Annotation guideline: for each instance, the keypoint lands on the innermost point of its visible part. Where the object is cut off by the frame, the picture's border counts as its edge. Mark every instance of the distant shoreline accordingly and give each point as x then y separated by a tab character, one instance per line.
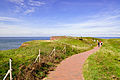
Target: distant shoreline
7	43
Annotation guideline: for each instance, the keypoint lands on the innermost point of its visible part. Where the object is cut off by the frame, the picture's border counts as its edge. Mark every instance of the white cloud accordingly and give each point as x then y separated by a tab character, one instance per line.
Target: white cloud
22	30
29	11
99	24
99	20
35	3
20	2
8	19
26	7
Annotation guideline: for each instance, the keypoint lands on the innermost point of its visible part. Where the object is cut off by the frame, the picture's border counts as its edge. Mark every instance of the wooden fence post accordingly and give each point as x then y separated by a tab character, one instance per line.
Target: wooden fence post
64	49
38	57
9	71
53	51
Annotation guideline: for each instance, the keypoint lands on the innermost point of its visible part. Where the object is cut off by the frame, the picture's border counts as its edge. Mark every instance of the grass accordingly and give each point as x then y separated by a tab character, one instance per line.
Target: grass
105	63
24	57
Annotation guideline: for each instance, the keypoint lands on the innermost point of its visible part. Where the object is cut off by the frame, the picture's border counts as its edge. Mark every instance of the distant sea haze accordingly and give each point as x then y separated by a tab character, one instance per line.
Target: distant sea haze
15	42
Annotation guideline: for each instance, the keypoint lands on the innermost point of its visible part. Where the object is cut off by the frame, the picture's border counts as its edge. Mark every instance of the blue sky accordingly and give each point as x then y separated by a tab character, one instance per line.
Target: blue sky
99	18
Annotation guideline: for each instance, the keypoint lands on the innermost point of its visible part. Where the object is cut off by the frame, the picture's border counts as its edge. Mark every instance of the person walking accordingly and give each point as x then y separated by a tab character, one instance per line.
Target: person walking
101	43
98	44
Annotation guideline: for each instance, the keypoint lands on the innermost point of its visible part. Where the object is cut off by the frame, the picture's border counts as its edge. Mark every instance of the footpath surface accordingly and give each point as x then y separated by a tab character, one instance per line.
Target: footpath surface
71	68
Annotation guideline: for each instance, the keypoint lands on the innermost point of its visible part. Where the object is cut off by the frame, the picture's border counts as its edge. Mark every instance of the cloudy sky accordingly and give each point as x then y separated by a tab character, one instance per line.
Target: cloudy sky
100	18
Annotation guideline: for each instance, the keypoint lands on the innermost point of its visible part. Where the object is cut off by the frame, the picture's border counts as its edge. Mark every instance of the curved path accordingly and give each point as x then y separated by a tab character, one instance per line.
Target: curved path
71	68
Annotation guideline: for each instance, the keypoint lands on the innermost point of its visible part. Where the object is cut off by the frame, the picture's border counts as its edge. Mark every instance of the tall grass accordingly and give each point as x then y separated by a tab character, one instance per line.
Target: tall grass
105	63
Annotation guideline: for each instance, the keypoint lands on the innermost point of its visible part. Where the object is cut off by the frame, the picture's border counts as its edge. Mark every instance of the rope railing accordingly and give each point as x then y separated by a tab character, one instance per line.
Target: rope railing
38	58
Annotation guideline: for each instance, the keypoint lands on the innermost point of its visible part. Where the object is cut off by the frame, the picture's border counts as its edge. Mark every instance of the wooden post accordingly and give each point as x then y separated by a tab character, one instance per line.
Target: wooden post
9	71
6	75
38	57
64	49
53	51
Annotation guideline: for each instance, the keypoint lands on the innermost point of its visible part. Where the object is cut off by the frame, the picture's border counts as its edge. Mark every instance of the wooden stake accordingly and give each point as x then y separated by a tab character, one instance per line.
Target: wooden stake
64	49
38	57
53	51
9	71
6	75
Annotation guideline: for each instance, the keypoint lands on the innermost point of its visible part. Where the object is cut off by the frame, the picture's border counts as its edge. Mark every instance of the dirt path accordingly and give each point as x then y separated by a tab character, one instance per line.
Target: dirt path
71	68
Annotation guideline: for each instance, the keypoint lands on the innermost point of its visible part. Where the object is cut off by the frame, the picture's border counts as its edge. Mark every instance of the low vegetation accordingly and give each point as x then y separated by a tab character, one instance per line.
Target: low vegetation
23	58
105	63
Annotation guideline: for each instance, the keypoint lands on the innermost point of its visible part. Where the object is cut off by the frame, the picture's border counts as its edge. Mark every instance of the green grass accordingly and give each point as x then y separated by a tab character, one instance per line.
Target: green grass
23	57
105	63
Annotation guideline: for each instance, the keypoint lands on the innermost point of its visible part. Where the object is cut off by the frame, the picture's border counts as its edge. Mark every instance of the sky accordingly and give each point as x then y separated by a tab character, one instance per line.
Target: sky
43	18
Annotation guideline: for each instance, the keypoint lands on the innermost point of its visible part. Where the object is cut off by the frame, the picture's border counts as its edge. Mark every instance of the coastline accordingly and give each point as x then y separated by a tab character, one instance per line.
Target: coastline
25	56
7	43
25	44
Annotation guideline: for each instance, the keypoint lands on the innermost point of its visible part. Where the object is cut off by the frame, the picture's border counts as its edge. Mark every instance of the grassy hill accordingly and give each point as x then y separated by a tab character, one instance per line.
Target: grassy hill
105	63
23	58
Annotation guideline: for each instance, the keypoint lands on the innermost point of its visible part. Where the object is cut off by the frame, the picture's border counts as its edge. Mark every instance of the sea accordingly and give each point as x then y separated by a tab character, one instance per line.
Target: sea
15	42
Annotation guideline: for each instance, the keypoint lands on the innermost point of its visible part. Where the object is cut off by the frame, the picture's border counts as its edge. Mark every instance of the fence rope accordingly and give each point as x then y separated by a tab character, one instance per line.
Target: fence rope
38	57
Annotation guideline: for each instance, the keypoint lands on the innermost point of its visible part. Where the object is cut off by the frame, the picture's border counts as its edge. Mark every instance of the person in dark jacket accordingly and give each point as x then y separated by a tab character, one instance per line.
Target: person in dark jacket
98	44
101	43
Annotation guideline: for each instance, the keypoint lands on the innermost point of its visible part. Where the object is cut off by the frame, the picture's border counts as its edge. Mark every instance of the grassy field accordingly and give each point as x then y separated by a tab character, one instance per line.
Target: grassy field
23	58
105	63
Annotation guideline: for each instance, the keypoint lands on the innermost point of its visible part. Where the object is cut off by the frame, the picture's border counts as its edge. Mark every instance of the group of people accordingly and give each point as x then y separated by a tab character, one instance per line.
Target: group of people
100	43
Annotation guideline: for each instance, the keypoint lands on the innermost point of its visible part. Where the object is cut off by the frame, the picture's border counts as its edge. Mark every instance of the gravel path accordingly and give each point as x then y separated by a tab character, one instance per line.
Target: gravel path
71	68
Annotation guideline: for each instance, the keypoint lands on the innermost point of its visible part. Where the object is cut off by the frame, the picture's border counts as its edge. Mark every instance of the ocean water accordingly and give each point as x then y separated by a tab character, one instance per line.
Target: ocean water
15	42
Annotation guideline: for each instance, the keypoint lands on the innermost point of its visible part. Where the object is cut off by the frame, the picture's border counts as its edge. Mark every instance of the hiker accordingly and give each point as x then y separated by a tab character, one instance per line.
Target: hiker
101	43
98	44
